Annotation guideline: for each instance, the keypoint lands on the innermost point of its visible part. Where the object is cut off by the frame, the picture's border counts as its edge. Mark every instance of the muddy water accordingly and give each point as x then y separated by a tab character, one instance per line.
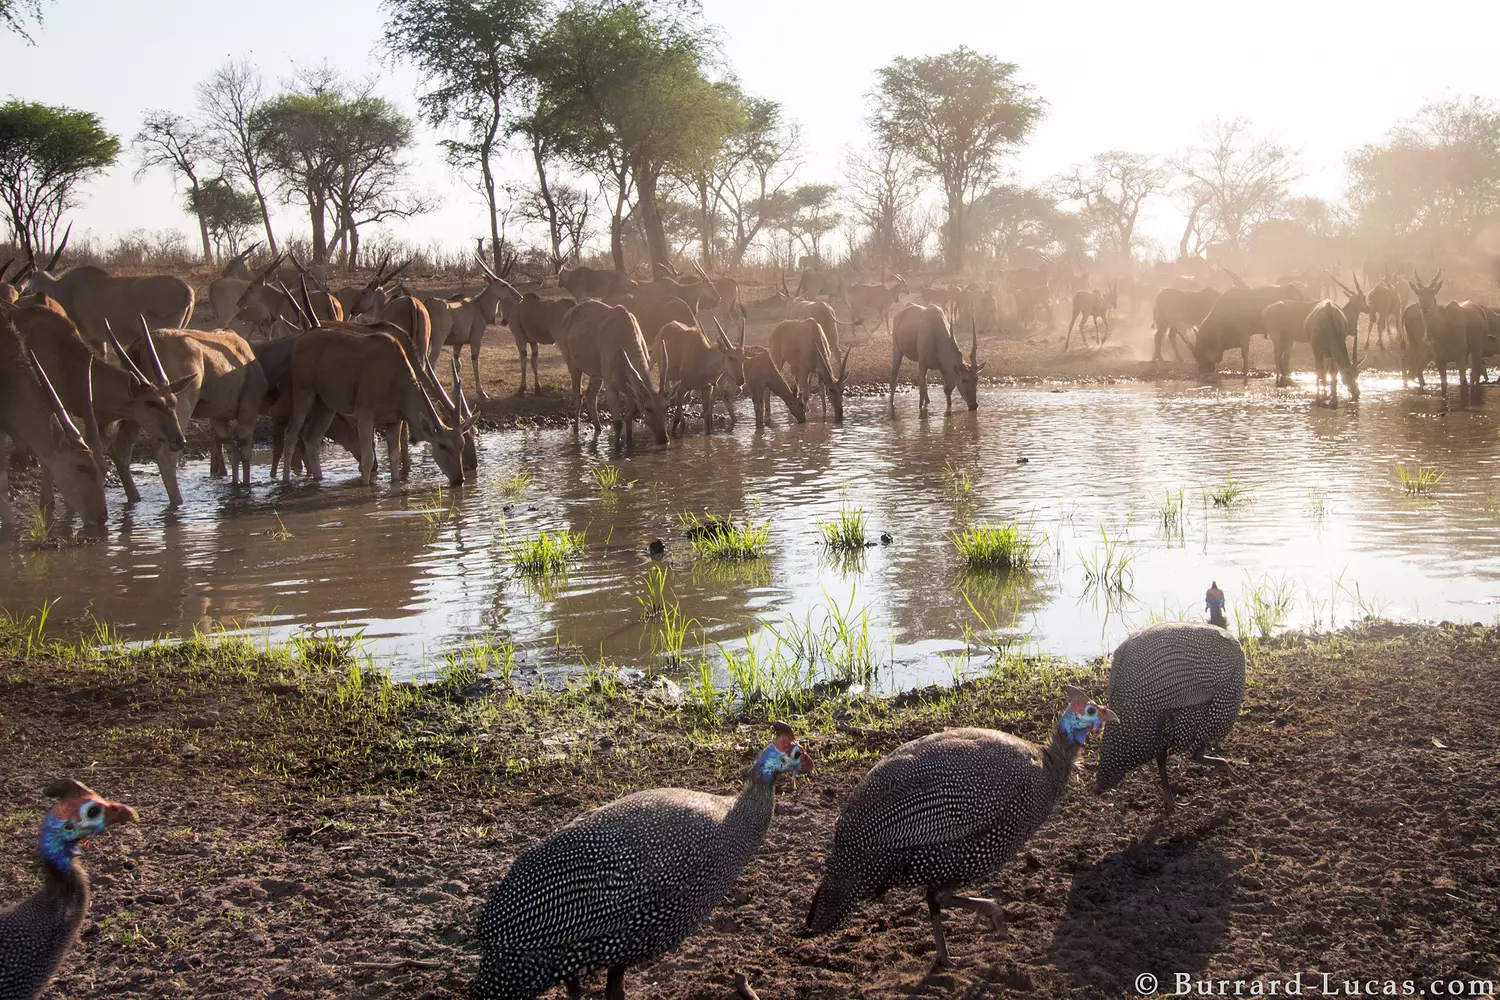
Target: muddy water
1327	531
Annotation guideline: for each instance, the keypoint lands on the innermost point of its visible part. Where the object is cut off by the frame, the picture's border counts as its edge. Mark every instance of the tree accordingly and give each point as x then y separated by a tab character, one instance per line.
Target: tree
882	192
469	52
15	13
45	153
564	208
622	90
227	103
1437	175
956	114
1233	180
1112	187
1008	219
170	140
807	216
228	214
337	149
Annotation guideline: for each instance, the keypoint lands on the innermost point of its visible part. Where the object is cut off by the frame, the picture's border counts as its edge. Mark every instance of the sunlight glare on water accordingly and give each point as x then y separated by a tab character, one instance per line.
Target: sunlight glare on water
1326	529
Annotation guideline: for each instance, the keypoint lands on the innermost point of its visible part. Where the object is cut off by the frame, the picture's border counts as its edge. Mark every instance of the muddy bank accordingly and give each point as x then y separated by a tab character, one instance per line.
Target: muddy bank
307	833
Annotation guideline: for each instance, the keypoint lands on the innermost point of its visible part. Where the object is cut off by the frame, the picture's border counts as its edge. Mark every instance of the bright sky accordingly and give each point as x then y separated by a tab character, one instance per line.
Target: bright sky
1322	76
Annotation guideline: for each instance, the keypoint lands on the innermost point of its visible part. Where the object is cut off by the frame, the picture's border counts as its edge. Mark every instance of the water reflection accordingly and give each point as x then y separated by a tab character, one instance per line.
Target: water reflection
421	569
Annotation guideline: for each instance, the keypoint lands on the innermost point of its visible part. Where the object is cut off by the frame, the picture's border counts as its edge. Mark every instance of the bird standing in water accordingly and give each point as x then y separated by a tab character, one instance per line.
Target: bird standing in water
1213	601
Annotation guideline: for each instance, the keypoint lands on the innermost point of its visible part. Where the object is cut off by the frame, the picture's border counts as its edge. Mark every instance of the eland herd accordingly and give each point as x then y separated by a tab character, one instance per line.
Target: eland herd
345	363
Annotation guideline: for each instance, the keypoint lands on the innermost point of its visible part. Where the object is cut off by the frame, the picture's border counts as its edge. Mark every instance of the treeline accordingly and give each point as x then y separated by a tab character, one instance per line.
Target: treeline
641	139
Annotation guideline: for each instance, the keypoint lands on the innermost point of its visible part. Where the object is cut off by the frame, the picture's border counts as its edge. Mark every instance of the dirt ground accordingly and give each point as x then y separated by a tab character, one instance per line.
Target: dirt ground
300	839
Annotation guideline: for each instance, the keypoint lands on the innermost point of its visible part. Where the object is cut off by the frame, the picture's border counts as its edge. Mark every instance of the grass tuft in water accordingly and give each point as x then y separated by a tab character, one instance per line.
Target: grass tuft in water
514	484
607	479
845	531
1171	512
1108	567
544	554
654	601
1421	481
1317	504
724	540
1229	493
997	546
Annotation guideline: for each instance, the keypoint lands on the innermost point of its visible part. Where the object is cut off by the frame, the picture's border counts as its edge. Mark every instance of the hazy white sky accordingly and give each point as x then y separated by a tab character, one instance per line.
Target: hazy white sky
1322	76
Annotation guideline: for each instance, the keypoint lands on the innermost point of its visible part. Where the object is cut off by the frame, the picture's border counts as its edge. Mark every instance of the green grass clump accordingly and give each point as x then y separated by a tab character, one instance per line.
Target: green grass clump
724	540
544	553
1229	493
1419	481
1108	567
1172	512
514	484
997	546
607	478
845	531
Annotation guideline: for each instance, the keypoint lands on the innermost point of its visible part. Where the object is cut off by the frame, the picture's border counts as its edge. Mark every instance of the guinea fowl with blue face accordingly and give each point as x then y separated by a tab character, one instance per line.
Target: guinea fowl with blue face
36	933
625	883
945	811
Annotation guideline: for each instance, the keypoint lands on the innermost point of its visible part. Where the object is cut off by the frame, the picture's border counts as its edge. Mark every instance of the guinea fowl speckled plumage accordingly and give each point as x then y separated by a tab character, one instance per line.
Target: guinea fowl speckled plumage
1177	687
624	883
945	811
36	933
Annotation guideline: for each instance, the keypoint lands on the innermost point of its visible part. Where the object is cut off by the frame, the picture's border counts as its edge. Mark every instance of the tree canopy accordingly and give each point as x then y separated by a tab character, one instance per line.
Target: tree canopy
45	153
956	114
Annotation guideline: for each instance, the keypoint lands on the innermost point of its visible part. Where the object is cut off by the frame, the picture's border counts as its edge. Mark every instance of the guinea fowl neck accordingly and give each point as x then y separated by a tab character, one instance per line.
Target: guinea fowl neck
1057	760
62	875
750	816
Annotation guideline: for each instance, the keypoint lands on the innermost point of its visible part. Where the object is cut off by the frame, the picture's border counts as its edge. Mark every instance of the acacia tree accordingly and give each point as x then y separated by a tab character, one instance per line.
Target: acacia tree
622	89
807	215
15	13
1112	186
1437	174
170	140
1231	181
337	149
45	153
228	214
228	103
956	114
469	52
881	192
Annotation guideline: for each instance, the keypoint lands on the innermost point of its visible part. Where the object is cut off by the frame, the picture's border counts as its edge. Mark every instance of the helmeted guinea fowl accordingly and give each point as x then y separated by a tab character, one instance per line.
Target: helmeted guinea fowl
945	811
36	933
624	883
1178	687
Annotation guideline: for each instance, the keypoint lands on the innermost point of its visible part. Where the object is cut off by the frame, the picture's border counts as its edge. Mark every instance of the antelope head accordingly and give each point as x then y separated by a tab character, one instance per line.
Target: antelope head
734	356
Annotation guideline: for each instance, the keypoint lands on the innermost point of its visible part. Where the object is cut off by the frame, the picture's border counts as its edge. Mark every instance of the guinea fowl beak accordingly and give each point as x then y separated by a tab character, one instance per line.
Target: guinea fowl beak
116	814
1105	715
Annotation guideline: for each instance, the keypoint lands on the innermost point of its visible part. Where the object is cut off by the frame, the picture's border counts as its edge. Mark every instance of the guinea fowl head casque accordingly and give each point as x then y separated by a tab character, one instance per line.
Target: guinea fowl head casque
77	815
784	756
1083	715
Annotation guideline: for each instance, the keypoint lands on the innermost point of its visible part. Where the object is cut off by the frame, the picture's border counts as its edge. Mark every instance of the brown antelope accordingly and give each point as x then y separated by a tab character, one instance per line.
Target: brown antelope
1285	323
1325	329
225	386
91	295
1033	305
1416	349
588	282
802	344
1176	312
698	293
762	378
878	298
1091	305
652	314
367	376
1234	318
726	292
32	413
1455	333
697	365
238	266
462	321
822	312
921	333
1385	310
829	282
99	394
263	305
369	299
8	291
531	324
410	314
604	342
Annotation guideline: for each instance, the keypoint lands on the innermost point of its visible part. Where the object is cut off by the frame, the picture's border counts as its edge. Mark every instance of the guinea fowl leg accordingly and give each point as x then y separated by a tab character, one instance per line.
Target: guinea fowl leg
935	914
1201	758
614	983
974	904
1168	803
